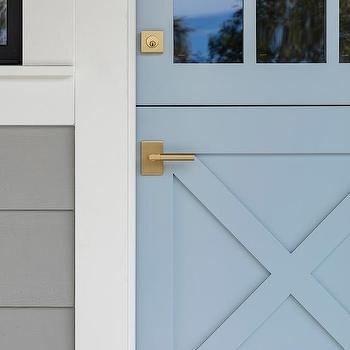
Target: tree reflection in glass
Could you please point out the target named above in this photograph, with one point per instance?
(3, 22)
(208, 31)
(345, 31)
(291, 31)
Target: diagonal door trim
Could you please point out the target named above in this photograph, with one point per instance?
(249, 316)
(244, 226)
(290, 275)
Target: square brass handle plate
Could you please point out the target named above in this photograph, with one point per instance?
(153, 158)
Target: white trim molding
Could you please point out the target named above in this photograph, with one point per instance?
(131, 38)
(105, 174)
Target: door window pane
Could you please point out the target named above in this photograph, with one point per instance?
(345, 31)
(291, 31)
(3, 22)
(208, 31)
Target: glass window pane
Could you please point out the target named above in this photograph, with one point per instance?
(208, 31)
(345, 31)
(3, 22)
(291, 31)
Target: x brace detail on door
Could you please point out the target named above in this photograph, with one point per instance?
(291, 273)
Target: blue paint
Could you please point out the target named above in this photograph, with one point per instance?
(247, 247)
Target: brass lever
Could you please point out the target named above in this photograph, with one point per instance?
(171, 157)
(152, 158)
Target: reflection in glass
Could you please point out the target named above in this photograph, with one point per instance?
(345, 31)
(208, 31)
(291, 31)
(3, 22)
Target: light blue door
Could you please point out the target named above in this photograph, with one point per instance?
(248, 246)
(246, 52)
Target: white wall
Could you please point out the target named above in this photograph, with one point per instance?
(48, 32)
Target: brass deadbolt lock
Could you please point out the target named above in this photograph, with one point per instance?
(152, 42)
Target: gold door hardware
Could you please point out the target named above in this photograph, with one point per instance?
(152, 158)
(152, 42)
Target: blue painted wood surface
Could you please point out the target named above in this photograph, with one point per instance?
(162, 82)
(247, 247)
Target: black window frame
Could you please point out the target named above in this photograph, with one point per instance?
(11, 53)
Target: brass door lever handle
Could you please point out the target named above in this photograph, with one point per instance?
(171, 157)
(152, 158)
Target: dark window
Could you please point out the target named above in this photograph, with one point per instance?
(291, 31)
(3, 22)
(344, 31)
(10, 31)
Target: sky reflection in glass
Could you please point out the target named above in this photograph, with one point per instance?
(291, 31)
(3, 22)
(208, 31)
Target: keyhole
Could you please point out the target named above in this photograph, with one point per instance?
(152, 42)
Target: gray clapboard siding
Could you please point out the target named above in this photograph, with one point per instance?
(36, 258)
(36, 238)
(36, 167)
(36, 329)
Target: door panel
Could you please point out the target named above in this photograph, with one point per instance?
(208, 262)
(299, 331)
(289, 77)
(247, 246)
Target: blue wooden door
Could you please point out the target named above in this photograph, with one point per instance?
(248, 246)
(246, 52)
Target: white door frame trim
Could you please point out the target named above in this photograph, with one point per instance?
(105, 174)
